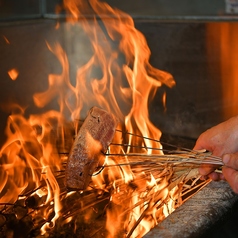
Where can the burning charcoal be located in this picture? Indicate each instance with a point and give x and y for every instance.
(17, 228)
(35, 233)
(20, 211)
(35, 201)
(27, 223)
(86, 153)
(23, 227)
(2, 220)
(11, 222)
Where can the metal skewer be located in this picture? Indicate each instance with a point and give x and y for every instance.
(180, 155)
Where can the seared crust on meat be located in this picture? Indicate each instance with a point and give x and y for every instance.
(88, 149)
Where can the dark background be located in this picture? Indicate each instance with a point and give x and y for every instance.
(13, 9)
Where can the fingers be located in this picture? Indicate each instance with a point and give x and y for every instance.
(230, 170)
(231, 176)
(216, 176)
(231, 160)
(201, 143)
(206, 169)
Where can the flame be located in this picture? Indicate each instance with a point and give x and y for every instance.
(6, 40)
(125, 86)
(13, 74)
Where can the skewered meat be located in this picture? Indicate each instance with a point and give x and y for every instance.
(87, 152)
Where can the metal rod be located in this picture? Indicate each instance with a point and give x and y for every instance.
(155, 140)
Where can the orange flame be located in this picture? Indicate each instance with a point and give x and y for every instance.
(125, 85)
(13, 74)
(6, 40)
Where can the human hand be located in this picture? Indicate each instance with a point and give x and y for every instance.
(230, 170)
(220, 140)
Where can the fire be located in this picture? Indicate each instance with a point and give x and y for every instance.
(32, 158)
(13, 74)
(6, 40)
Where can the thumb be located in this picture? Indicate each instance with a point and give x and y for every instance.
(231, 160)
(231, 176)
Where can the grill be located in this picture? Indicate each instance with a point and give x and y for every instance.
(183, 41)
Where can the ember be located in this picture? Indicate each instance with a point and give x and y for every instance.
(137, 184)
